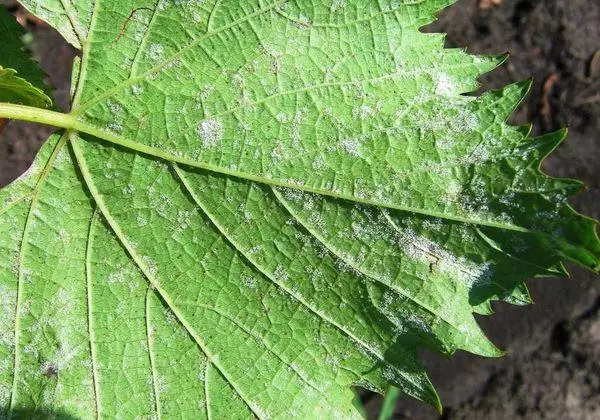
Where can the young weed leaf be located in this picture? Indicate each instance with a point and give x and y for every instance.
(21, 79)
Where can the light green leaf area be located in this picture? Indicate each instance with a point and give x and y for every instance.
(16, 90)
(26, 88)
(256, 205)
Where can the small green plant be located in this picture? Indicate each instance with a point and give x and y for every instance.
(254, 205)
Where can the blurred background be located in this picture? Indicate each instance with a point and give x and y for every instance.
(552, 366)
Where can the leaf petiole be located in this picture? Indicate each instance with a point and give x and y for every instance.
(37, 115)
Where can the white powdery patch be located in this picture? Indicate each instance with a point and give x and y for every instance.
(64, 236)
(442, 260)
(115, 108)
(350, 146)
(249, 281)
(282, 117)
(277, 154)
(319, 163)
(128, 190)
(159, 383)
(151, 268)
(155, 52)
(338, 5)
(117, 115)
(184, 219)
(254, 250)
(258, 410)
(298, 120)
(291, 194)
(206, 91)
(118, 277)
(162, 5)
(211, 132)
(115, 127)
(280, 274)
(62, 159)
(61, 360)
(444, 84)
(189, 3)
(365, 111)
(8, 299)
(452, 193)
(137, 90)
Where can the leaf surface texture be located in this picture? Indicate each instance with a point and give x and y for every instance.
(268, 202)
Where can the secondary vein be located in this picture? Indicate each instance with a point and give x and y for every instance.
(150, 341)
(91, 335)
(116, 228)
(373, 351)
(21, 263)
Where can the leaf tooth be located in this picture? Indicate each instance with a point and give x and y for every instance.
(488, 62)
(432, 8)
(524, 130)
(478, 343)
(579, 238)
(506, 100)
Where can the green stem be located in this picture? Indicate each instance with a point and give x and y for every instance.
(389, 403)
(37, 115)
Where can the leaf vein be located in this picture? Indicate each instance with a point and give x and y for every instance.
(17, 335)
(69, 121)
(14, 203)
(142, 45)
(91, 335)
(75, 24)
(150, 342)
(87, 177)
(259, 339)
(213, 12)
(175, 56)
(373, 351)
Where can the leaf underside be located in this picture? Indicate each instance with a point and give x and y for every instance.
(343, 207)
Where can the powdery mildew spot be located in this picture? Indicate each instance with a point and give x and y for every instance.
(459, 268)
(155, 52)
(350, 146)
(444, 84)
(338, 5)
(211, 132)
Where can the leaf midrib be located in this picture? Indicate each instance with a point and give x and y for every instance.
(70, 122)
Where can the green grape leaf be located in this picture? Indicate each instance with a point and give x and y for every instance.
(255, 205)
(21, 79)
